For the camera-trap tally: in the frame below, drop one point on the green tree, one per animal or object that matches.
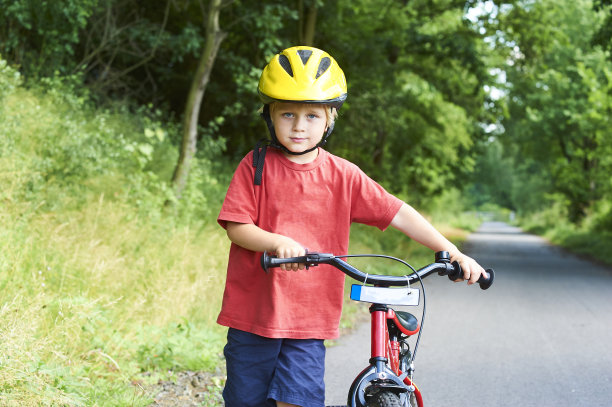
(43, 37)
(214, 38)
(559, 105)
(603, 36)
(416, 79)
(416, 71)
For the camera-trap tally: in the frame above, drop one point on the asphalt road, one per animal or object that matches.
(541, 336)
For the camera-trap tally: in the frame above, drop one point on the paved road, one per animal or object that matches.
(541, 336)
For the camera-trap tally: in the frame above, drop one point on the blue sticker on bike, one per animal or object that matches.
(385, 295)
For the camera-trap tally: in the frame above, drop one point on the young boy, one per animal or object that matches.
(303, 198)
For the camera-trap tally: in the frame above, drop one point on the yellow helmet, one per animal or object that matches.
(303, 74)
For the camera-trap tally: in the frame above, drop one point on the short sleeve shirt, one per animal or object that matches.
(314, 204)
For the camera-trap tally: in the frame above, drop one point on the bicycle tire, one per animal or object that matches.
(384, 399)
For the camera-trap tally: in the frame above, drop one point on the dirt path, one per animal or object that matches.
(190, 389)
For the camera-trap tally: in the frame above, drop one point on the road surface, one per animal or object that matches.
(541, 336)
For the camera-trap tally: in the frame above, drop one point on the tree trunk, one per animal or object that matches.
(307, 23)
(378, 156)
(214, 37)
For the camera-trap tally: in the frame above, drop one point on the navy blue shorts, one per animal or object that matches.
(262, 370)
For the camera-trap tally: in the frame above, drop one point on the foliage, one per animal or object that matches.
(591, 238)
(9, 79)
(43, 36)
(422, 94)
(102, 291)
(414, 97)
(603, 36)
(558, 116)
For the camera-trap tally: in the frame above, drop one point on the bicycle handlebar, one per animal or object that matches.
(442, 266)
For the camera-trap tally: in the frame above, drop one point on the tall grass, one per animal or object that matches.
(90, 298)
(591, 237)
(98, 281)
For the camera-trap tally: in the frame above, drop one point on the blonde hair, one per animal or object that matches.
(331, 113)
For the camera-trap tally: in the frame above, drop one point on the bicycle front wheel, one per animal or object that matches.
(384, 399)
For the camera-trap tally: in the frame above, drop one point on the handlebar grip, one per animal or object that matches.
(268, 261)
(488, 281)
(484, 281)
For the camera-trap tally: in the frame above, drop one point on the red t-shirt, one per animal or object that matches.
(314, 204)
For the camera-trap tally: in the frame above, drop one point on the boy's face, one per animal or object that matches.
(299, 126)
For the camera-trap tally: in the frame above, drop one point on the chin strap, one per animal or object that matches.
(261, 147)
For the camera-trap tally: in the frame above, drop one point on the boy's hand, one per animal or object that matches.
(254, 238)
(287, 247)
(471, 269)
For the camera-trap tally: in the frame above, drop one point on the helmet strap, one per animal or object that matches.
(260, 155)
(265, 114)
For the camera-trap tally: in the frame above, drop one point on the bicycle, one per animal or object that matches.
(388, 379)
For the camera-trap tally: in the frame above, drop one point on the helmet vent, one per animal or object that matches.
(304, 55)
(284, 62)
(323, 66)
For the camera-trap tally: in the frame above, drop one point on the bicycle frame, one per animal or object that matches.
(384, 369)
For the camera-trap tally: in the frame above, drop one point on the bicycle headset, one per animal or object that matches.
(300, 75)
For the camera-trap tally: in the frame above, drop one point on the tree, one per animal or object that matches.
(559, 105)
(603, 36)
(43, 37)
(415, 79)
(307, 22)
(214, 37)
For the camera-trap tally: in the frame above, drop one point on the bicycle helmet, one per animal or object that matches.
(303, 75)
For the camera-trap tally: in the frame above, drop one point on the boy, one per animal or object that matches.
(304, 197)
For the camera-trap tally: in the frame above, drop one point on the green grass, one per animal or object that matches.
(90, 299)
(592, 237)
(98, 281)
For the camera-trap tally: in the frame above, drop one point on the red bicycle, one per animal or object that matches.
(388, 379)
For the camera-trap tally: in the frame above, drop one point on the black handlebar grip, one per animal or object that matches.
(265, 261)
(484, 281)
(268, 261)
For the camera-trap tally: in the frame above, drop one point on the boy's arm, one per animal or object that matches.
(415, 226)
(254, 238)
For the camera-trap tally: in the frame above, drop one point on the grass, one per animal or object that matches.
(98, 282)
(91, 298)
(95, 295)
(591, 238)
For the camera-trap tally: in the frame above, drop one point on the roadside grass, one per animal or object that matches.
(103, 290)
(90, 300)
(592, 237)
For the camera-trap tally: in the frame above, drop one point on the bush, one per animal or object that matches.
(9, 79)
